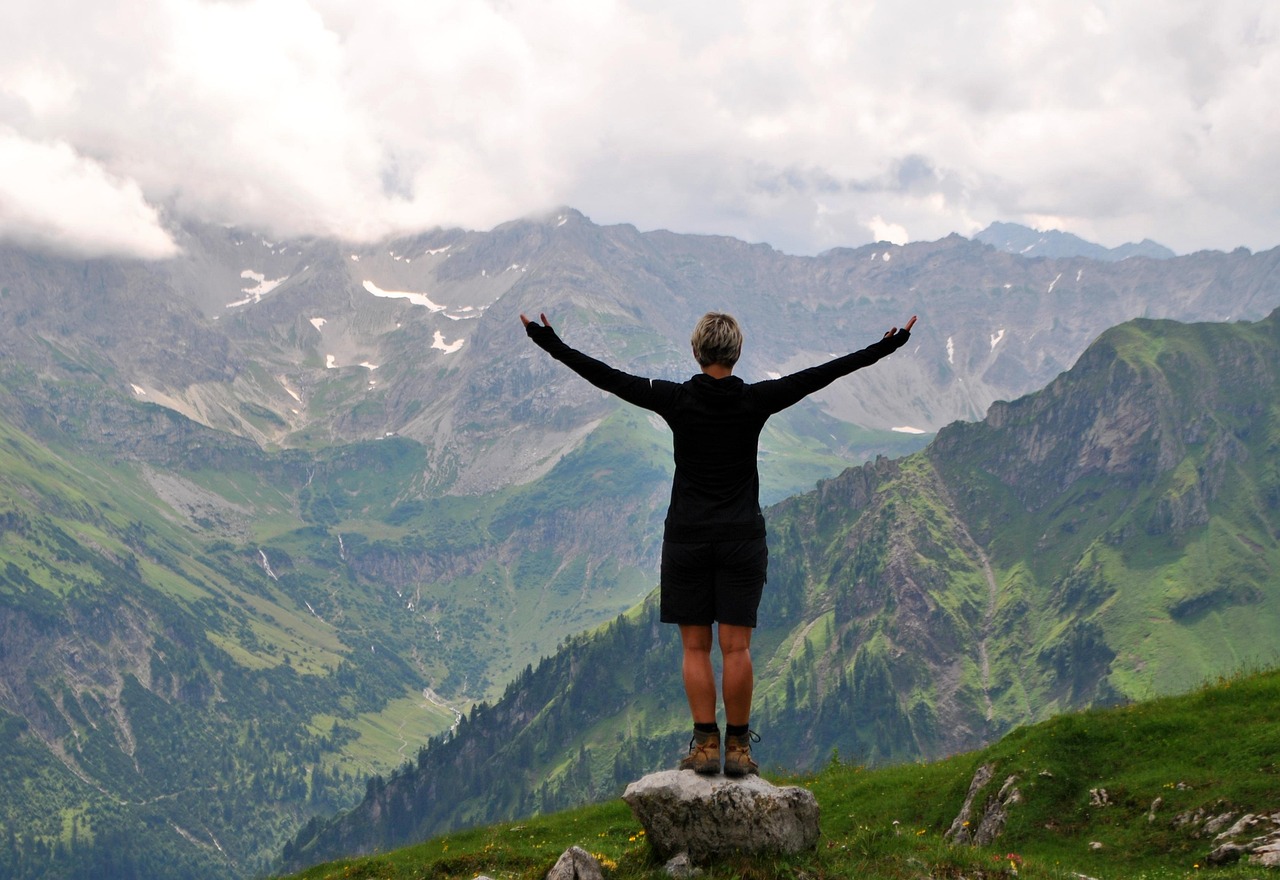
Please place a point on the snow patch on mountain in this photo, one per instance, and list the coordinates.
(418, 299)
(446, 347)
(258, 291)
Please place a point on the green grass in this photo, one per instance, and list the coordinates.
(386, 739)
(1212, 748)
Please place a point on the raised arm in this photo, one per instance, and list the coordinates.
(782, 393)
(633, 389)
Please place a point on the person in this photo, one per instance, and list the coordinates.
(714, 555)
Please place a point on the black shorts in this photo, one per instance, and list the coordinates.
(718, 581)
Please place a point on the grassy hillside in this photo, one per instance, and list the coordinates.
(1161, 764)
(160, 690)
(226, 622)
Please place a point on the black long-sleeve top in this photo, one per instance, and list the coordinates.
(716, 425)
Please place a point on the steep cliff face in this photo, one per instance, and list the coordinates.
(1146, 404)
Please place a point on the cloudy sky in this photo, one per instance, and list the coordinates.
(804, 124)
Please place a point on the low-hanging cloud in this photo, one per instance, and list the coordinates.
(807, 125)
(57, 197)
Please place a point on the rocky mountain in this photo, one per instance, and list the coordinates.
(308, 343)
(1016, 239)
(1112, 537)
(272, 512)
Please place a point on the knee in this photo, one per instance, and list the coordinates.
(695, 638)
(735, 650)
(698, 651)
(735, 641)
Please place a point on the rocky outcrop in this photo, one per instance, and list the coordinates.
(1236, 835)
(983, 815)
(709, 816)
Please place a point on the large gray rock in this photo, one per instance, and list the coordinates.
(708, 816)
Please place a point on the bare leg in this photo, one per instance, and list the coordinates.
(699, 679)
(735, 647)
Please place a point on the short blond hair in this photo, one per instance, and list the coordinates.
(717, 339)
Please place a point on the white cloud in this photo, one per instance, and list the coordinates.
(891, 232)
(52, 194)
(807, 125)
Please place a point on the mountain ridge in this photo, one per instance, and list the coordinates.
(246, 349)
(1016, 239)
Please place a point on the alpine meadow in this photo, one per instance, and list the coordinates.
(306, 552)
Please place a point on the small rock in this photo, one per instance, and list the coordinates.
(1226, 854)
(1217, 823)
(1096, 845)
(1190, 817)
(1155, 805)
(681, 868)
(576, 864)
(1266, 856)
(1247, 822)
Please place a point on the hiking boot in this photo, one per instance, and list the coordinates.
(737, 755)
(704, 753)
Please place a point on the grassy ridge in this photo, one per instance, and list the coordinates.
(1213, 748)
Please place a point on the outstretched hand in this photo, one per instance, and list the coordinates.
(543, 315)
(890, 332)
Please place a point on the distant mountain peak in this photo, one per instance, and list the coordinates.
(1026, 242)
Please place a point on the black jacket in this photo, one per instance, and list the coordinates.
(716, 424)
